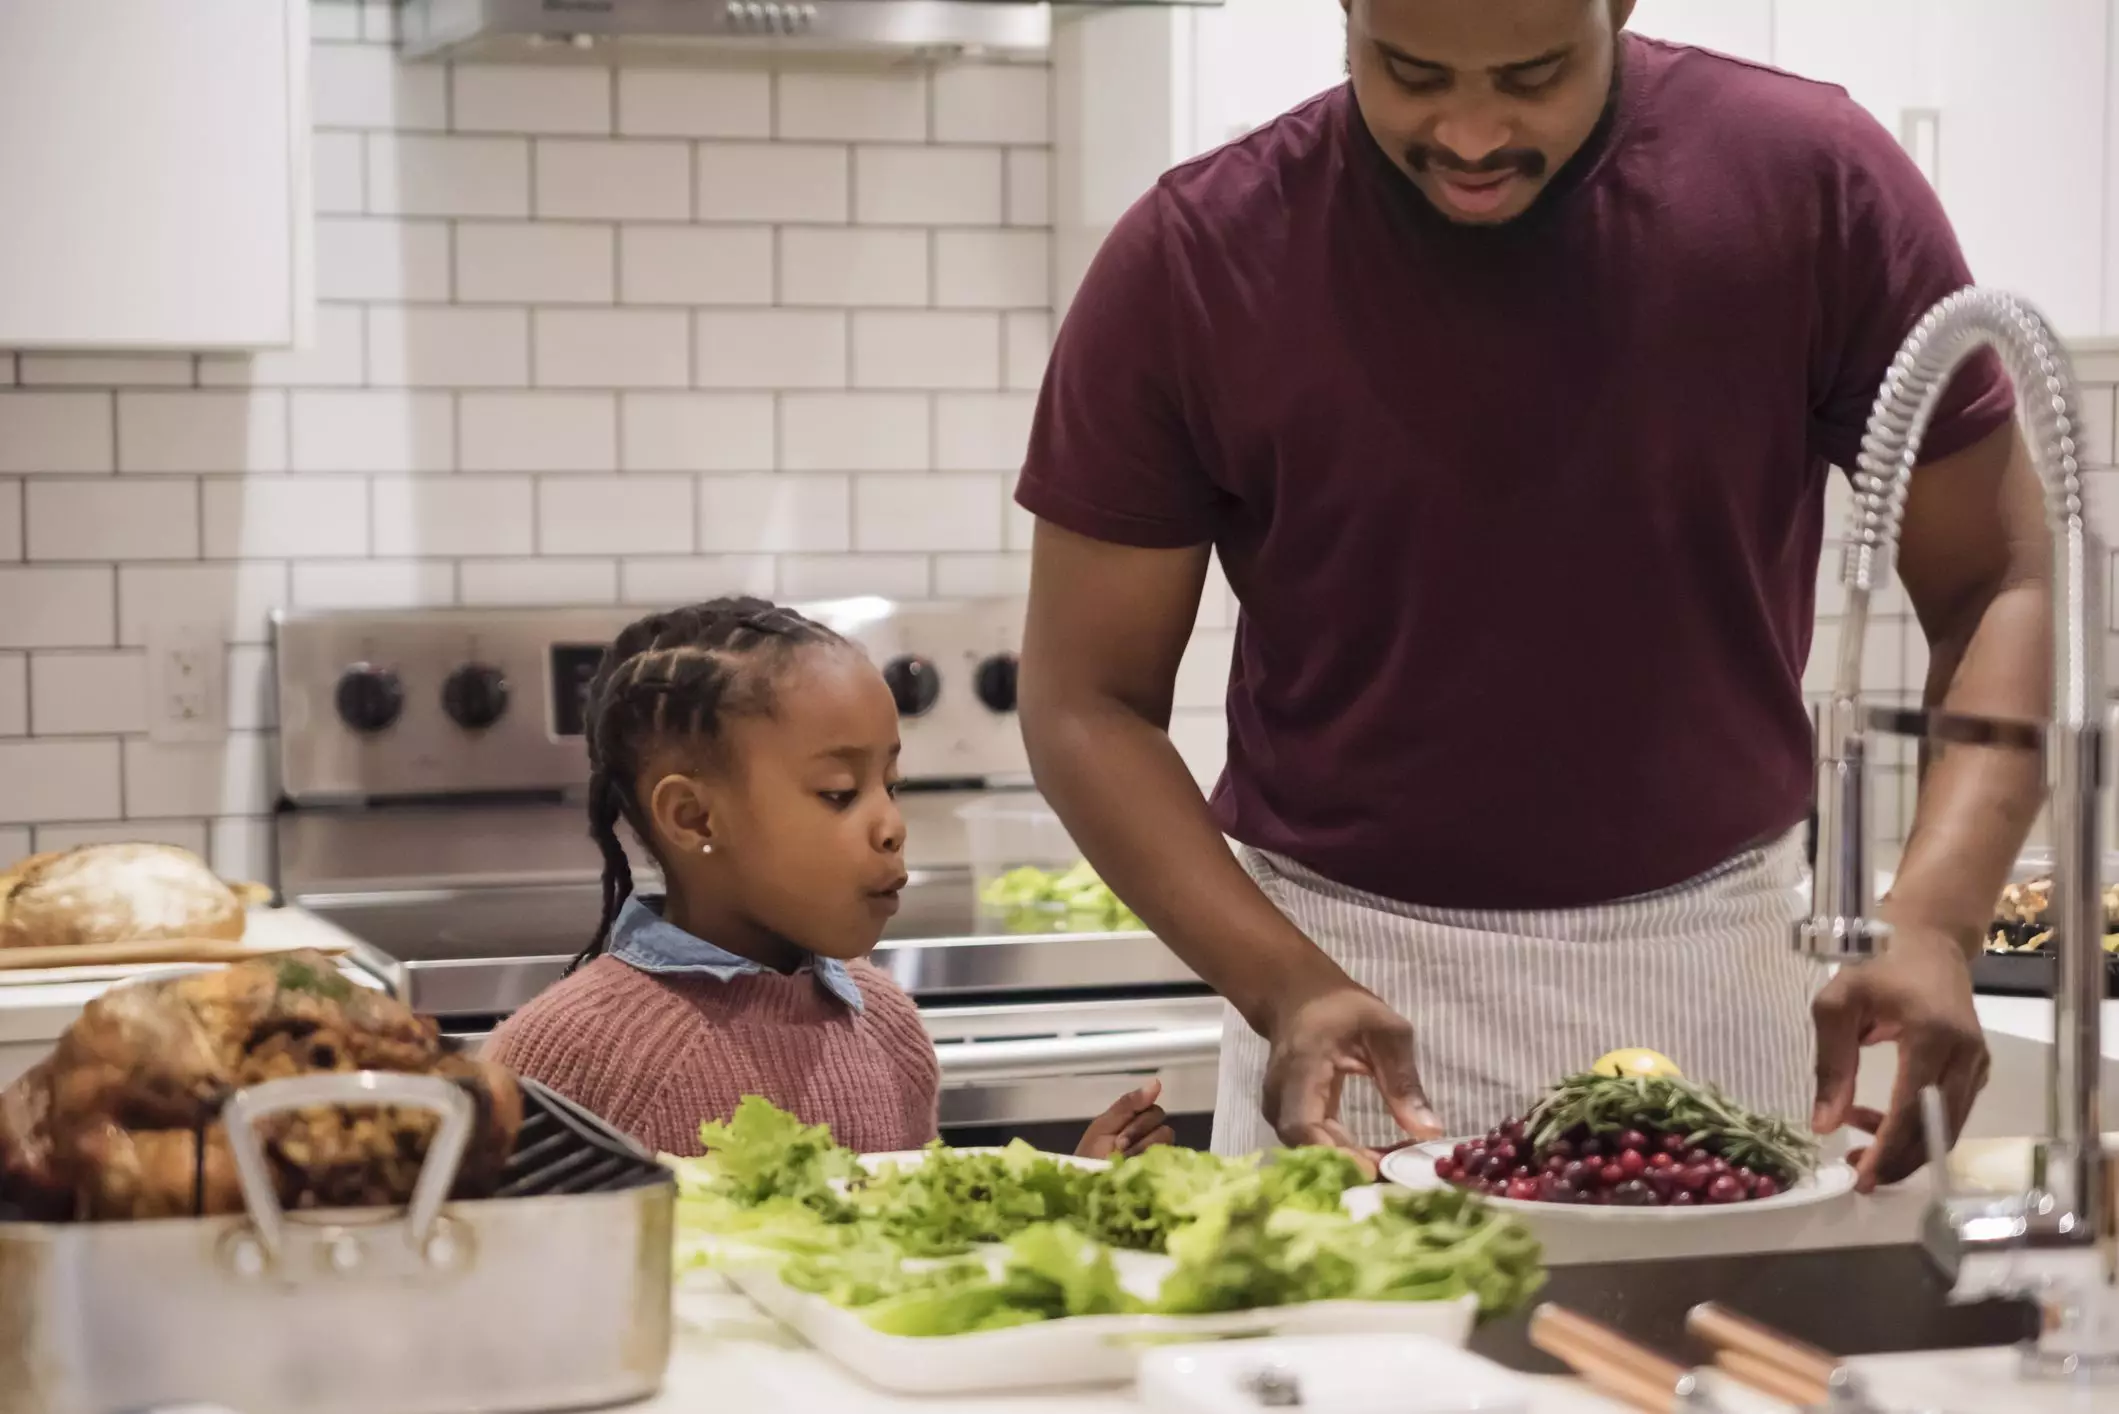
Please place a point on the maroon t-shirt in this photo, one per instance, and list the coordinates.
(1524, 521)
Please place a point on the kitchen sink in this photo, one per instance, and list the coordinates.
(1850, 1301)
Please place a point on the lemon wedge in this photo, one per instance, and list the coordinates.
(1635, 1060)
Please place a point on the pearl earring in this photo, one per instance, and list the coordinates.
(706, 849)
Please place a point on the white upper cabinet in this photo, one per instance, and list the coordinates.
(1742, 29)
(2004, 107)
(1255, 59)
(154, 173)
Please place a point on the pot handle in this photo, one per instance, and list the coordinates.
(437, 1175)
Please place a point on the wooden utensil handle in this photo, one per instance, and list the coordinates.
(1726, 1330)
(157, 950)
(1615, 1365)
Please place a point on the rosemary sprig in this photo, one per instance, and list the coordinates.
(1606, 1104)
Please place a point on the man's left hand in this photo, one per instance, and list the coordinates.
(1919, 994)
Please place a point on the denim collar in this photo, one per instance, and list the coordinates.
(642, 938)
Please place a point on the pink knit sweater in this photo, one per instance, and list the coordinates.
(655, 1056)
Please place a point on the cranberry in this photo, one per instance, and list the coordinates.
(1505, 1150)
(1447, 1169)
(1611, 1176)
(1563, 1147)
(1725, 1189)
(1578, 1174)
(1746, 1177)
(1633, 1193)
(1697, 1155)
(1523, 1190)
(1682, 1199)
(1462, 1154)
(1513, 1131)
(1564, 1192)
(1673, 1144)
(1661, 1161)
(1591, 1148)
(1767, 1186)
(1719, 1166)
(1633, 1140)
(1633, 1163)
(1694, 1178)
(1496, 1169)
(1556, 1163)
(1546, 1184)
(1662, 1184)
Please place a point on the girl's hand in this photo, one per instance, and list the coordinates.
(1133, 1123)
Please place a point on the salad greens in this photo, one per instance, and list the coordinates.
(913, 1247)
(1034, 900)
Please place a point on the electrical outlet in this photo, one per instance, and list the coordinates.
(187, 683)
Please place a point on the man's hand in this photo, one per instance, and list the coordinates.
(1919, 994)
(1316, 1044)
(1133, 1123)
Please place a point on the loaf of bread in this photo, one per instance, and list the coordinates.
(118, 893)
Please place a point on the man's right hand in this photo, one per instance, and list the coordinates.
(1319, 1041)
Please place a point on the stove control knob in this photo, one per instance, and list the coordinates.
(914, 684)
(995, 682)
(475, 696)
(369, 699)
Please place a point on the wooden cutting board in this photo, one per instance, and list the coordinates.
(162, 950)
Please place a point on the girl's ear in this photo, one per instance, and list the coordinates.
(678, 807)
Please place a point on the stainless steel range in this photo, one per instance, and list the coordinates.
(431, 770)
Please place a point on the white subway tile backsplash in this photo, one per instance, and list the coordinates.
(54, 432)
(868, 107)
(2100, 408)
(687, 579)
(364, 86)
(980, 576)
(97, 518)
(935, 511)
(993, 103)
(335, 357)
(442, 346)
(379, 21)
(202, 431)
(1029, 186)
(648, 514)
(532, 98)
(922, 186)
(845, 576)
(338, 173)
(378, 430)
(1202, 739)
(694, 103)
(454, 515)
(58, 780)
(696, 431)
(696, 264)
(982, 431)
(612, 348)
(1026, 346)
(87, 694)
(760, 181)
(448, 176)
(852, 265)
(926, 349)
(374, 584)
(522, 262)
(14, 694)
(774, 514)
(547, 580)
(235, 599)
(242, 848)
(10, 520)
(614, 181)
(993, 269)
(250, 689)
(381, 258)
(334, 19)
(540, 432)
(14, 842)
(285, 517)
(854, 432)
(127, 370)
(1021, 527)
(1203, 673)
(235, 776)
(184, 834)
(769, 348)
(1217, 602)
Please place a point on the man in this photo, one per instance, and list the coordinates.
(1506, 380)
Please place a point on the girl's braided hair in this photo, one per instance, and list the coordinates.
(673, 675)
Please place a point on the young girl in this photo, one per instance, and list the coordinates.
(754, 752)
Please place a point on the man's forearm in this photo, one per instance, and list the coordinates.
(1977, 804)
(1135, 811)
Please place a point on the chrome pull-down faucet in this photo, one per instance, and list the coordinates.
(2058, 1242)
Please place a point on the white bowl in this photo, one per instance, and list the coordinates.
(1414, 1167)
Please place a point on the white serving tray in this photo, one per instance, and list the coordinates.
(1076, 1350)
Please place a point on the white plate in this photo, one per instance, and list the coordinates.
(1355, 1374)
(1075, 1350)
(1414, 1167)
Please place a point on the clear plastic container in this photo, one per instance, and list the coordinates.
(1029, 877)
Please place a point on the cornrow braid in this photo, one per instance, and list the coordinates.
(671, 676)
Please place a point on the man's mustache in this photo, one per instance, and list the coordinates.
(1423, 158)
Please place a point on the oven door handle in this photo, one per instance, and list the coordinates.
(966, 1062)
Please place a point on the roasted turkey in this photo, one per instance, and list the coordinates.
(110, 1125)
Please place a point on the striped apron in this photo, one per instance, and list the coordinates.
(1504, 1004)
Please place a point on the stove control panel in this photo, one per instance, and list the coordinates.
(441, 702)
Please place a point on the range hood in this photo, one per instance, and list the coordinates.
(667, 30)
